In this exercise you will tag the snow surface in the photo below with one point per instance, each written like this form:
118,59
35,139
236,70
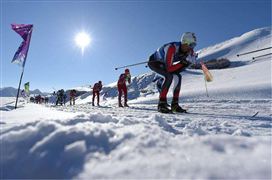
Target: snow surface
225,136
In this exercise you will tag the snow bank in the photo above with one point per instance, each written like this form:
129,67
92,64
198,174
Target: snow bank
55,148
133,145
185,158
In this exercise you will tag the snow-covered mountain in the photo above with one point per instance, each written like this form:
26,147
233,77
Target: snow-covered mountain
12,92
226,135
253,40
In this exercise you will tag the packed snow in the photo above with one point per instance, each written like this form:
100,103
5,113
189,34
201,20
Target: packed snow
225,135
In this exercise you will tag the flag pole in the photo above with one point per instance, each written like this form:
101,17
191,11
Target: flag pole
19,88
28,41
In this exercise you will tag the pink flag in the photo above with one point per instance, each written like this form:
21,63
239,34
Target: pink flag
207,74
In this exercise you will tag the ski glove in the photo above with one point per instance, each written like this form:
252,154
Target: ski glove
185,63
179,57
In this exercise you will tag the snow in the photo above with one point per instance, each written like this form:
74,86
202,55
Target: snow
219,139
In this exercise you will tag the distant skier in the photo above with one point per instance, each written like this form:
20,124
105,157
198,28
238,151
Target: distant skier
96,91
64,98
60,94
23,93
168,61
72,97
53,98
122,87
46,100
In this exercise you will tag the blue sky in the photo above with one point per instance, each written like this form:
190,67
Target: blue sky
122,32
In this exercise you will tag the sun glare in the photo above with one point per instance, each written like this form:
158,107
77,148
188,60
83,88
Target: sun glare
82,40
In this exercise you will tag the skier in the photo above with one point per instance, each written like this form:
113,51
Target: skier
72,97
53,98
96,91
23,93
122,87
64,98
168,61
60,94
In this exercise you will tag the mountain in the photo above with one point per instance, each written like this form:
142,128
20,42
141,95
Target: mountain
12,92
8,92
252,40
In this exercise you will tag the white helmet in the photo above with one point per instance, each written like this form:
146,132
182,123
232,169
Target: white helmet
188,38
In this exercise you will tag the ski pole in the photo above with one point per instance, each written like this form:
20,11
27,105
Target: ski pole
131,65
206,87
261,56
253,51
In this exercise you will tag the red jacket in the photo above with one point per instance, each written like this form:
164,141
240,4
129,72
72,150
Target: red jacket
123,78
97,87
73,93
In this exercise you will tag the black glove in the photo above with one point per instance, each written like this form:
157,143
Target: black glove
185,63
179,57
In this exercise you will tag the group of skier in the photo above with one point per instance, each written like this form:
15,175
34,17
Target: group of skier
168,62
121,86
61,97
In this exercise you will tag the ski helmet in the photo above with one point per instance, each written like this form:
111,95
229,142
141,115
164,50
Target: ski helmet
100,82
188,38
126,70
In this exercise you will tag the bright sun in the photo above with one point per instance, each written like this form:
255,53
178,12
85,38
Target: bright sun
82,40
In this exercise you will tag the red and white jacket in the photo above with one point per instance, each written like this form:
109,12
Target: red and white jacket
168,54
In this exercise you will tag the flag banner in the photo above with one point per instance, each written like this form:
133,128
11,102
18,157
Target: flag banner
25,31
207,74
27,87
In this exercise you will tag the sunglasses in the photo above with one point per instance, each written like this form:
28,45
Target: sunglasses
192,45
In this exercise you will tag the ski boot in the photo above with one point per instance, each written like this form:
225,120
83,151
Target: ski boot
163,108
176,108
120,105
126,105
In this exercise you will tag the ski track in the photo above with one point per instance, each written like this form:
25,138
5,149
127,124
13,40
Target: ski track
233,117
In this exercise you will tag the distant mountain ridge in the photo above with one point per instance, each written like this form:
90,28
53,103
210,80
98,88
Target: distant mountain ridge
12,92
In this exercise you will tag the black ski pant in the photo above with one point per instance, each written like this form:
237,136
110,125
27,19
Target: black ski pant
97,94
160,68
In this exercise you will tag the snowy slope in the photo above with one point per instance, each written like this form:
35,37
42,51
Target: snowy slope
226,136
253,40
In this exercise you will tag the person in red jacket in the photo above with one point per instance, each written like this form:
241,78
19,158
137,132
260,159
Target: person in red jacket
96,91
168,61
122,87
72,97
